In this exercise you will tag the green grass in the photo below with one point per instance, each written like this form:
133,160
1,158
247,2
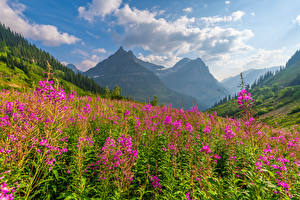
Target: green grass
274,105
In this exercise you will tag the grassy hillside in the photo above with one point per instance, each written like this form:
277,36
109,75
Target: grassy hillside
277,97
23,64
16,78
274,105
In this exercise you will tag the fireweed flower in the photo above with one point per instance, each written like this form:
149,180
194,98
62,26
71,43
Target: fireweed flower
188,196
117,154
282,184
127,114
4,121
206,149
6,193
48,91
168,120
207,129
9,107
189,127
177,125
245,99
229,134
155,182
258,165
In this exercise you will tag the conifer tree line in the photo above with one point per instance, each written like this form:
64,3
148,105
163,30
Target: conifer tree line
257,83
16,46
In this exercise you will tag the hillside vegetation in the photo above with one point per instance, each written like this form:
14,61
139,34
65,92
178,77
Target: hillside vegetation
22,65
277,97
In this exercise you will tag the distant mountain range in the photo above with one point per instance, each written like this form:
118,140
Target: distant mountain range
188,82
192,77
124,69
73,68
232,84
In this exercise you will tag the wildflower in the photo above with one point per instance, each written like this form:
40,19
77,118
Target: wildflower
207,129
229,134
155,182
168,120
6,193
176,125
245,99
282,184
187,196
9,106
189,127
232,158
127,114
258,165
206,149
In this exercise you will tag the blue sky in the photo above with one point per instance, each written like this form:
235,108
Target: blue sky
229,35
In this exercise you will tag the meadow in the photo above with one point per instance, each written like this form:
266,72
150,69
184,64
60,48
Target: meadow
57,145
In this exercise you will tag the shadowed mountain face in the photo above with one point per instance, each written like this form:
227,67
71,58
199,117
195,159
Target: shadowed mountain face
192,77
232,84
123,69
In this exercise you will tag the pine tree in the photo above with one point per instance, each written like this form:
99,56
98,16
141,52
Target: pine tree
106,92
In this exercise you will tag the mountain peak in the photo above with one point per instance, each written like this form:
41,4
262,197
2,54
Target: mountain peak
121,50
123,53
200,61
73,68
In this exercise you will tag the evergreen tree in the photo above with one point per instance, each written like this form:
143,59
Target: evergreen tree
17,47
154,101
106,92
116,93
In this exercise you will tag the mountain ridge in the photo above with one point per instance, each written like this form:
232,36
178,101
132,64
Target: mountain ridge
192,77
123,69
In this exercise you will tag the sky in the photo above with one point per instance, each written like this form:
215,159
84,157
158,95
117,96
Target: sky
230,36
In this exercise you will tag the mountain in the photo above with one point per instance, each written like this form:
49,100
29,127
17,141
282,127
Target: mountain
73,68
192,77
277,96
150,66
22,65
124,69
232,84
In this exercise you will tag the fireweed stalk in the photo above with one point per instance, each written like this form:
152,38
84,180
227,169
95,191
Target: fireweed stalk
116,161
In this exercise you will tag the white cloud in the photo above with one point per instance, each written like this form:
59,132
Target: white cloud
252,14
99,50
297,20
48,34
98,8
233,64
64,63
227,2
89,62
80,52
168,60
188,10
235,16
163,38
